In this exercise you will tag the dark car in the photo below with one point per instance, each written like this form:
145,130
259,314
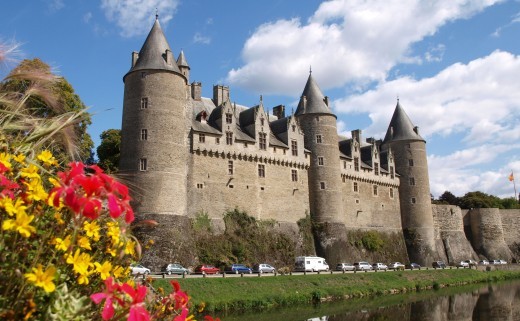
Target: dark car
206,269
413,266
176,268
439,264
239,268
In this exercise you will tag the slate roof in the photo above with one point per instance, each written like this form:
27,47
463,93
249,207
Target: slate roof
181,61
401,127
152,54
315,100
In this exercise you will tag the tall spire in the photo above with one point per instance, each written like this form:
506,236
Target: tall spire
401,127
312,100
155,53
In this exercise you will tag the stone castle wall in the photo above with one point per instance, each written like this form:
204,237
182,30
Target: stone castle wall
511,226
488,233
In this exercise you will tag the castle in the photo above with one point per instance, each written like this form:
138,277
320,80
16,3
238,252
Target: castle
185,154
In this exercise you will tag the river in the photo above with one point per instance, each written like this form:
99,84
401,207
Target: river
483,302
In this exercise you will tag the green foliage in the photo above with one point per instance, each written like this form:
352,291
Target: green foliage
305,226
370,240
202,222
477,200
109,150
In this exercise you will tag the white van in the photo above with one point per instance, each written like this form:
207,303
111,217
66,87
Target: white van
310,264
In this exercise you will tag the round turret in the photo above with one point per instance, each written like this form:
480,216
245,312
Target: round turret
409,150
153,141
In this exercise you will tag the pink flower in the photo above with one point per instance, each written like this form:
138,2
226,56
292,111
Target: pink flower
109,295
138,310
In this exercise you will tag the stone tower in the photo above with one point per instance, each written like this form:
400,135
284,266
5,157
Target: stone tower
318,123
154,143
409,149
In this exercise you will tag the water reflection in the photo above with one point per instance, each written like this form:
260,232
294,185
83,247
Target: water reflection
490,303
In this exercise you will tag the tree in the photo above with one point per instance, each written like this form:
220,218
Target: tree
479,200
108,150
448,198
46,99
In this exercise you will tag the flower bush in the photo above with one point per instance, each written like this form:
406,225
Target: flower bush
65,233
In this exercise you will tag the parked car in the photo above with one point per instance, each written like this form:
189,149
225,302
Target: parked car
502,262
471,262
413,266
494,262
463,264
310,264
206,269
175,268
239,268
439,264
345,267
138,269
362,266
263,268
379,266
483,262
396,266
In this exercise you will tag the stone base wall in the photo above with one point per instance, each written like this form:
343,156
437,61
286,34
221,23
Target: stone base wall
488,234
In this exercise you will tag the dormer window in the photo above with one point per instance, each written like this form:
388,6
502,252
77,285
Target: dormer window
262,141
293,128
229,138
229,118
376,168
356,164
261,121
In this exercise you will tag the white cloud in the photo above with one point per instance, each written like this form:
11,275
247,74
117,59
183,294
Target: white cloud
344,41
199,38
87,17
134,17
55,5
435,54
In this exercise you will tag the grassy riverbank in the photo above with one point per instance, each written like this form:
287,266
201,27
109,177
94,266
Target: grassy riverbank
252,293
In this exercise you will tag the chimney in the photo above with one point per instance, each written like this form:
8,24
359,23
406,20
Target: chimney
371,140
135,56
220,94
356,135
416,130
326,100
279,111
169,57
196,90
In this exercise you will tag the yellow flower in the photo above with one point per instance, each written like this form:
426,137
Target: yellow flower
21,224
61,244
83,277
30,172
54,182
201,307
47,158
119,271
112,251
20,158
12,208
84,242
42,279
80,261
114,232
57,217
92,230
130,247
5,159
103,269
35,190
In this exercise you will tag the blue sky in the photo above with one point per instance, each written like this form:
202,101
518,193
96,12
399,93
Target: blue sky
454,64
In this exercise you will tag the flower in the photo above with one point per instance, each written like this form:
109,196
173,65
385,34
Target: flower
47,158
5,160
42,279
103,269
108,295
138,311
92,230
62,244
21,224
84,242
13,207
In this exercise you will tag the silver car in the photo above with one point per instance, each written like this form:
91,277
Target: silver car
263,268
139,269
345,267
362,266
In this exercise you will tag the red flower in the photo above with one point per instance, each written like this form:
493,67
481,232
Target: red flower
138,310
109,295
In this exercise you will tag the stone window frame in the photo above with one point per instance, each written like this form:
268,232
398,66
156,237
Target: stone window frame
356,164
202,138
319,139
413,200
411,180
321,161
261,170
294,175
144,134
229,118
144,102
143,164
217,140
392,173
229,138
322,185
200,185
355,187
376,169
231,168
294,147
391,192
262,140
375,190
410,162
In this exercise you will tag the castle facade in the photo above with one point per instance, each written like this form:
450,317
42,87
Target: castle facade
185,154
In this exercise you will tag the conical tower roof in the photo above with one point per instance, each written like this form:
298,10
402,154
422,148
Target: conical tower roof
401,127
154,52
314,102
181,61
